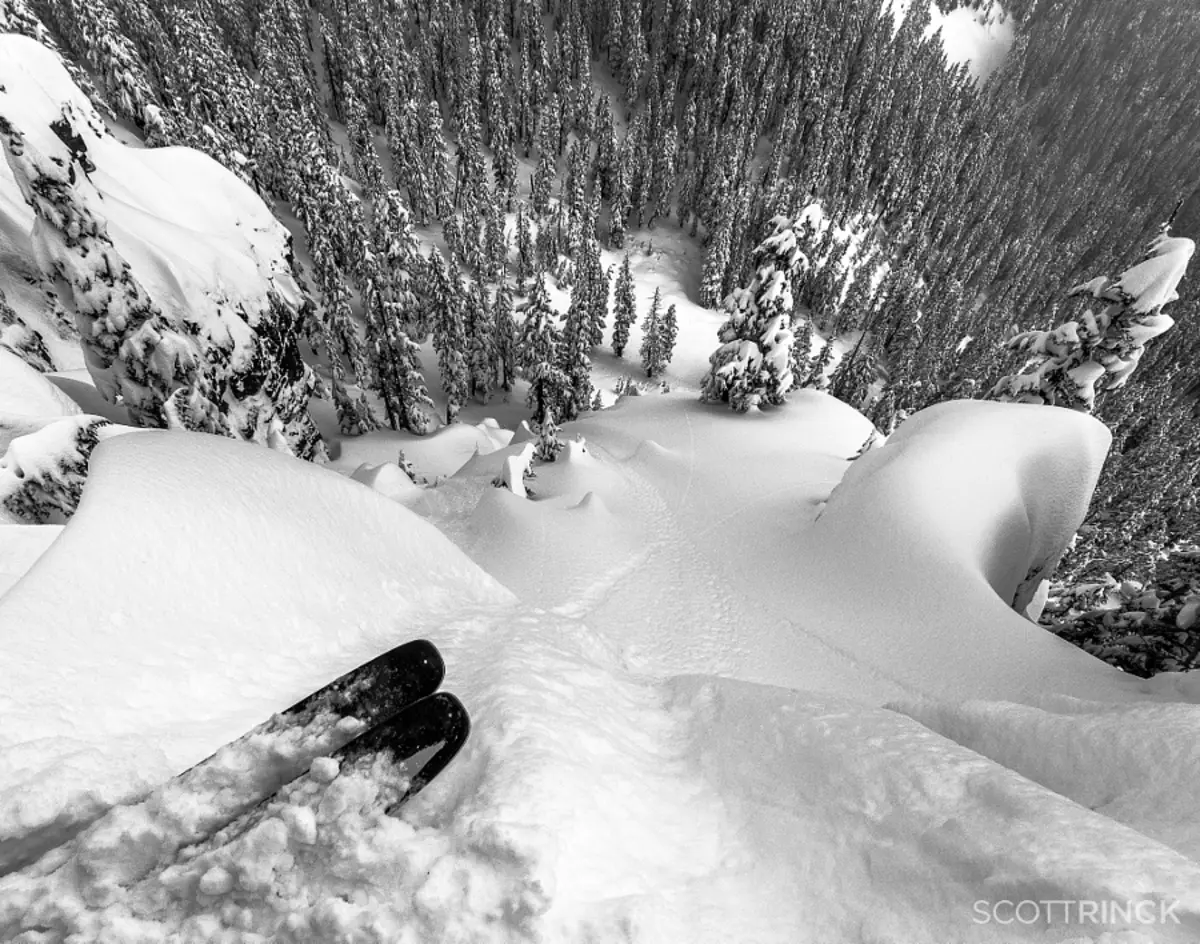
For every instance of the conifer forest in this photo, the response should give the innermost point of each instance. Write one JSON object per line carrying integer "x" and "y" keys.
{"x": 526, "y": 136}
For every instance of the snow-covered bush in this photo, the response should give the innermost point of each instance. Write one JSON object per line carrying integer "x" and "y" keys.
{"x": 753, "y": 365}
{"x": 1141, "y": 628}
{"x": 1099, "y": 351}
{"x": 42, "y": 474}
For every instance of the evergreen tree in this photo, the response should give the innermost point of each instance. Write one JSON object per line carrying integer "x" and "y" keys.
{"x": 573, "y": 354}
{"x": 537, "y": 353}
{"x": 525, "y": 249}
{"x": 449, "y": 333}
{"x": 1101, "y": 348}
{"x": 652, "y": 351}
{"x": 481, "y": 341}
{"x": 504, "y": 338}
{"x": 599, "y": 282}
{"x": 753, "y": 363}
{"x": 624, "y": 308}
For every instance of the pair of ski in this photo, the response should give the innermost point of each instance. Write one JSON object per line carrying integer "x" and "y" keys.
{"x": 385, "y": 710}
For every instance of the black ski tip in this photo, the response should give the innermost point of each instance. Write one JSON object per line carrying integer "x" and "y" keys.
{"x": 438, "y": 721}
{"x": 384, "y": 685}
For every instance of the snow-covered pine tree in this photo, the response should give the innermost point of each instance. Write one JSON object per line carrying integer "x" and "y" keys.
{"x": 505, "y": 337}
{"x": 481, "y": 340}
{"x": 716, "y": 264}
{"x": 753, "y": 363}
{"x": 42, "y": 473}
{"x": 820, "y": 366}
{"x": 389, "y": 305}
{"x": 22, "y": 340}
{"x": 548, "y": 444}
{"x": 525, "y": 249}
{"x": 652, "y": 341}
{"x": 449, "y": 332}
{"x": 801, "y": 349}
{"x": 852, "y": 378}
{"x": 669, "y": 333}
{"x": 573, "y": 353}
{"x": 537, "y": 351}
{"x": 624, "y": 308}
{"x": 622, "y": 201}
{"x": 1098, "y": 352}
{"x": 133, "y": 351}
{"x": 599, "y": 280}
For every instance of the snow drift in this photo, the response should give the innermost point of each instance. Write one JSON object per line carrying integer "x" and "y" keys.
{"x": 247, "y": 580}
{"x": 932, "y": 544}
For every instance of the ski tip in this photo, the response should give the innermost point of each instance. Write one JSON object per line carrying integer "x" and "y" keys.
{"x": 419, "y": 660}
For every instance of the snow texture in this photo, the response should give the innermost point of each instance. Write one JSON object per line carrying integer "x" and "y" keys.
{"x": 207, "y": 261}
{"x": 213, "y": 619}
{"x": 614, "y": 788}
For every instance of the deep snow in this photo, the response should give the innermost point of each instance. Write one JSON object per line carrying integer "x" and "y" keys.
{"x": 724, "y": 686}
{"x": 631, "y": 775}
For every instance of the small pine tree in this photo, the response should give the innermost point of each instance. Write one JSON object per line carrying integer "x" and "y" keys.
{"x": 548, "y": 443}
{"x": 624, "y": 308}
{"x": 573, "y": 355}
{"x": 505, "y": 337}
{"x": 537, "y": 351}
{"x": 653, "y": 361}
{"x": 525, "y": 249}
{"x": 670, "y": 332}
{"x": 817, "y": 376}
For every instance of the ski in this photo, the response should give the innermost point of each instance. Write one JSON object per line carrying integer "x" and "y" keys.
{"x": 132, "y": 840}
{"x": 401, "y": 755}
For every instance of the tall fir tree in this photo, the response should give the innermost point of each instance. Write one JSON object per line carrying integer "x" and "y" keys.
{"x": 624, "y": 308}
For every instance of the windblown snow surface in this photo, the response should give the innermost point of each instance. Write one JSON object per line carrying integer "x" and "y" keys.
{"x": 699, "y": 714}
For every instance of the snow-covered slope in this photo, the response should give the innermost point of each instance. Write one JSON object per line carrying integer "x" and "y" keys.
{"x": 175, "y": 271}
{"x": 615, "y": 788}
{"x": 930, "y": 540}
{"x": 246, "y": 580}
{"x": 194, "y": 234}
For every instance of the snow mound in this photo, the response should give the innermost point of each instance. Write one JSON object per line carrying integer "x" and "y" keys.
{"x": 26, "y": 392}
{"x": 28, "y": 400}
{"x": 953, "y": 524}
{"x": 250, "y": 579}
{"x": 388, "y": 479}
{"x": 1134, "y": 763}
{"x": 20, "y": 547}
{"x": 593, "y": 803}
